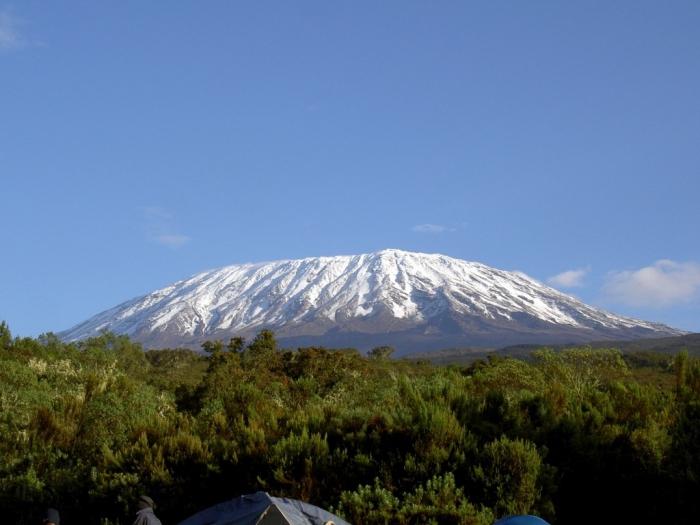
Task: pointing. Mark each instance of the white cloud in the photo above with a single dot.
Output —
(569, 278)
(431, 228)
(663, 284)
(10, 37)
(172, 240)
(161, 228)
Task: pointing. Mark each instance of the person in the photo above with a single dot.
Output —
(145, 514)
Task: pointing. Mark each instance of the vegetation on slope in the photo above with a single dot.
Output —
(576, 436)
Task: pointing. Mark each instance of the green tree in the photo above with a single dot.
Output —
(380, 352)
(5, 336)
(236, 344)
(508, 473)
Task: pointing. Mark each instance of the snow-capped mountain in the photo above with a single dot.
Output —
(414, 301)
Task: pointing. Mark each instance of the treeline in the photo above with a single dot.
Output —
(579, 436)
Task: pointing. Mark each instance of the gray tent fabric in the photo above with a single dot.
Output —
(262, 509)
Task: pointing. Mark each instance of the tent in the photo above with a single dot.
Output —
(262, 509)
(521, 520)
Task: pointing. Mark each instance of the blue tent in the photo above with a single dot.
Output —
(521, 520)
(262, 509)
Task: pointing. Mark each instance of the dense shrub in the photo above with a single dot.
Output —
(87, 427)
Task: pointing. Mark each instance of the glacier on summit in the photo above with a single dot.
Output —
(411, 300)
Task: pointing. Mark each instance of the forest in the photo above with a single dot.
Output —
(576, 436)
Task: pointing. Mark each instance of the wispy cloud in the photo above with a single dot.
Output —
(432, 228)
(10, 36)
(161, 228)
(569, 278)
(172, 240)
(664, 283)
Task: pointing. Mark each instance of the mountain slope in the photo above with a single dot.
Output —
(411, 300)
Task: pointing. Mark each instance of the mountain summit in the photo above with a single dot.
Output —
(414, 301)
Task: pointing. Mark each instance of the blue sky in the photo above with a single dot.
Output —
(142, 142)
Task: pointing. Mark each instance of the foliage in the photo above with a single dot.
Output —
(437, 502)
(380, 352)
(86, 427)
(508, 473)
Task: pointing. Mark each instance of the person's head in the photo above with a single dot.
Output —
(146, 503)
(51, 517)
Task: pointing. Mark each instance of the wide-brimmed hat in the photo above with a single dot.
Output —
(145, 502)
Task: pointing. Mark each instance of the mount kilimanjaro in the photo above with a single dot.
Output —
(413, 301)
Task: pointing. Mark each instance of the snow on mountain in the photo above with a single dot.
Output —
(415, 299)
